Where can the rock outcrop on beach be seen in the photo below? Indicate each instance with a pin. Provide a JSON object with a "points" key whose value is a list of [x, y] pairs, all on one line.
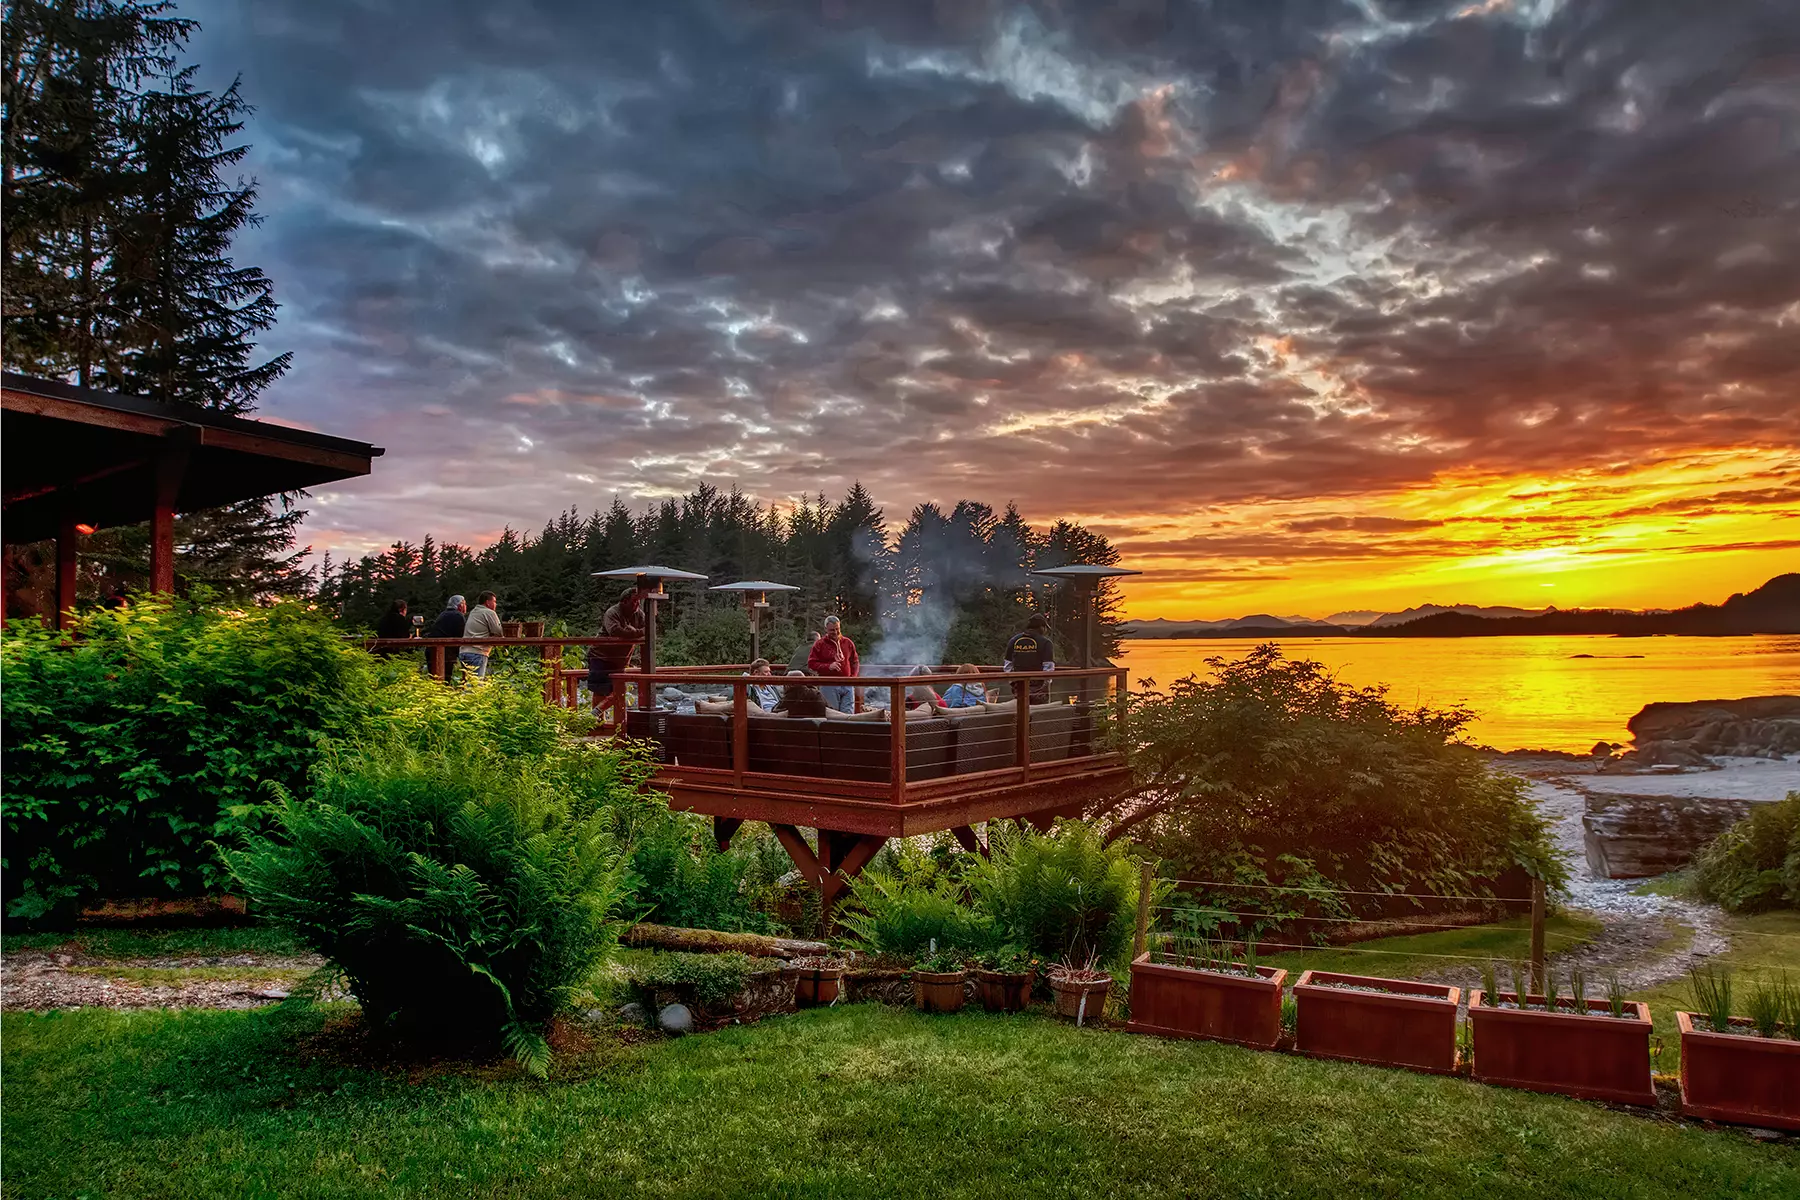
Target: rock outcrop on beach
{"points": [[1691, 733], [1633, 837]]}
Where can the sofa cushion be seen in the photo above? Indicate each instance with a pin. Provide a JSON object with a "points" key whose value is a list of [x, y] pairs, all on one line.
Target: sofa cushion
{"points": [[785, 745], [985, 742], [698, 740]]}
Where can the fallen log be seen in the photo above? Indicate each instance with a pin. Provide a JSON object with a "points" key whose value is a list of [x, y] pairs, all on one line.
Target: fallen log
{"points": [[714, 941]]}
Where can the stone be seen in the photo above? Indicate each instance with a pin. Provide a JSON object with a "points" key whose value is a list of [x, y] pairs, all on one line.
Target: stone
{"points": [[676, 1018], [1601, 749], [633, 1012], [1634, 837]]}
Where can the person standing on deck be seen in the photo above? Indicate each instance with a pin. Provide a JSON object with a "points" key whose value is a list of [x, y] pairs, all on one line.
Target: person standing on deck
{"points": [[1030, 650], [834, 656], [803, 651], [394, 623], [623, 620], [484, 622], [449, 624]]}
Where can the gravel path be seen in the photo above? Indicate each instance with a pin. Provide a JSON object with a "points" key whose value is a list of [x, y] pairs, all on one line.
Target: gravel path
{"points": [[46, 979]]}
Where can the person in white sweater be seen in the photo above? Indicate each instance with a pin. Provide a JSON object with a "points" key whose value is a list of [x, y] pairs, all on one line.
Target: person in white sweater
{"points": [[484, 622]]}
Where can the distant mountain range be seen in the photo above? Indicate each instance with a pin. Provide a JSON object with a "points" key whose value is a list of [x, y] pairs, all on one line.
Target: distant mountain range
{"points": [[1772, 608]]}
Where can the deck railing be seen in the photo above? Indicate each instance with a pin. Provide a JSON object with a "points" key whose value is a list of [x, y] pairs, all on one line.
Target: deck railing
{"points": [[560, 683], [901, 761]]}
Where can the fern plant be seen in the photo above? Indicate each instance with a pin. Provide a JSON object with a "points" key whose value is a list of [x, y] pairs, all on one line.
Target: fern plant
{"points": [[907, 914], [1064, 894], [464, 896]]}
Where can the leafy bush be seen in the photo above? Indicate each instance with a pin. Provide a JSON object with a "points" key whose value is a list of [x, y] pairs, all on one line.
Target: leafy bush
{"points": [[149, 733], [905, 913], [711, 979], [462, 895], [1754, 865], [1066, 895], [1271, 772], [680, 878]]}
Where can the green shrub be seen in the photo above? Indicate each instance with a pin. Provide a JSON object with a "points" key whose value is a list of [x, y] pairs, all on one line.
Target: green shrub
{"points": [[150, 732], [1270, 772], [710, 979], [1754, 865], [1065, 895], [462, 895], [906, 913], [680, 878]]}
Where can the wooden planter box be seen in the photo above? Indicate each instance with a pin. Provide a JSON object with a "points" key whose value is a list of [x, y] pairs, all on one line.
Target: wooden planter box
{"points": [[817, 985], [1173, 1001], [1004, 992], [1747, 1080], [1593, 1056], [939, 992], [1403, 1024], [512, 629], [1080, 1002]]}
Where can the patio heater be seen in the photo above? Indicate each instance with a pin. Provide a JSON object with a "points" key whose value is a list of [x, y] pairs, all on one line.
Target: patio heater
{"points": [[756, 602], [1085, 579], [650, 577]]}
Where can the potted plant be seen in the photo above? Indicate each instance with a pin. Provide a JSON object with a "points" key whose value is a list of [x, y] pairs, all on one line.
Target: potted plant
{"points": [[938, 982], [1741, 1069], [1080, 989], [1594, 1049], [817, 980], [1193, 987], [1003, 978], [1388, 1022]]}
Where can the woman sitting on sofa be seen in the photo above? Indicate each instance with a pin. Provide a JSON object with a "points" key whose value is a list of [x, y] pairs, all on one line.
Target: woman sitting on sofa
{"points": [[965, 695]]}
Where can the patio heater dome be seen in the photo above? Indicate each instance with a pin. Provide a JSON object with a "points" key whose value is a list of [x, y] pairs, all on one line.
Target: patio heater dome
{"points": [[756, 598]]}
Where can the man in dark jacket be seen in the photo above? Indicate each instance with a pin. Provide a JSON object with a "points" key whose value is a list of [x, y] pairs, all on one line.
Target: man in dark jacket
{"points": [[394, 623], [1030, 650], [449, 624], [623, 620]]}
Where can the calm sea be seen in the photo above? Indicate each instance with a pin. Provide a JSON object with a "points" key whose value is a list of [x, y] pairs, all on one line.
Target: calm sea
{"points": [[1557, 693]]}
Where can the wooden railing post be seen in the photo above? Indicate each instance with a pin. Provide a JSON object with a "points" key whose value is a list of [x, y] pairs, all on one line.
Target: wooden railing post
{"points": [[1537, 939], [740, 730], [1143, 923], [437, 663], [897, 738], [1022, 729], [552, 653]]}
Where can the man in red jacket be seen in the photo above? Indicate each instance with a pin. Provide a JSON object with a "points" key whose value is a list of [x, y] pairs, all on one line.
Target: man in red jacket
{"points": [[834, 655]]}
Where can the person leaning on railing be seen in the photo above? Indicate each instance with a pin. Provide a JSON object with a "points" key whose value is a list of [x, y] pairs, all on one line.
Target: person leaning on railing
{"points": [[484, 622], [624, 620]]}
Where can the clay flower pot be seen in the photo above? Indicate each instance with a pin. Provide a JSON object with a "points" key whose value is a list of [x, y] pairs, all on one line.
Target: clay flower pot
{"points": [[1081, 1000], [939, 991], [1387, 1022], [814, 986], [1592, 1055], [532, 628], [1739, 1077], [1175, 1001], [512, 628], [1005, 991]]}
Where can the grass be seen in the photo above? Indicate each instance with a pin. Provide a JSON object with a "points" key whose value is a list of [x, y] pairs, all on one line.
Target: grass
{"points": [[1407, 957], [859, 1100], [176, 976], [158, 943], [1760, 944]]}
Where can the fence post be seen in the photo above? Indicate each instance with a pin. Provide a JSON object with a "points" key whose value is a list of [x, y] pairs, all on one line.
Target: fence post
{"points": [[1143, 925], [1537, 938]]}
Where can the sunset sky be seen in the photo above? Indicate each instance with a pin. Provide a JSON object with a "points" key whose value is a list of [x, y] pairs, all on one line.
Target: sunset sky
{"points": [[1318, 305]]}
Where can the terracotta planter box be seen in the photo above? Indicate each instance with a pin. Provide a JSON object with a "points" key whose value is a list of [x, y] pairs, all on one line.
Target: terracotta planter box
{"points": [[1172, 1001], [1005, 992], [814, 986], [1080, 1002], [512, 628], [1403, 1024], [532, 628], [1745, 1079], [939, 992], [1593, 1056]]}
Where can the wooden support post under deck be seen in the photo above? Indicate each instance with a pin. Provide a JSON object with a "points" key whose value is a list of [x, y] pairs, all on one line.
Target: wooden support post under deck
{"points": [[965, 836], [724, 829], [68, 540], [436, 655], [171, 465], [740, 731]]}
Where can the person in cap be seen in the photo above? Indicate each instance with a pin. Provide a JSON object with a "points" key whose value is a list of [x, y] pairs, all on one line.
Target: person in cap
{"points": [[449, 624], [623, 620], [1030, 650]]}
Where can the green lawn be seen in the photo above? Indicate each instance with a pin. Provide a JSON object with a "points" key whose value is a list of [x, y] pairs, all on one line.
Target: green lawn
{"points": [[159, 943], [1408, 957], [855, 1101]]}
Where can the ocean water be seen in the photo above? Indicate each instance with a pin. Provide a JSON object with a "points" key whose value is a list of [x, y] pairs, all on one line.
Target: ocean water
{"points": [[1555, 693]]}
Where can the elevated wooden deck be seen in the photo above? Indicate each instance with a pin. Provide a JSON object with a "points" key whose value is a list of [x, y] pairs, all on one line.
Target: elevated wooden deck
{"points": [[859, 782]]}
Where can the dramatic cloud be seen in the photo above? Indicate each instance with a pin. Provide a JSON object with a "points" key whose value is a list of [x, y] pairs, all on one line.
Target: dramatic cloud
{"points": [[1250, 284]]}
